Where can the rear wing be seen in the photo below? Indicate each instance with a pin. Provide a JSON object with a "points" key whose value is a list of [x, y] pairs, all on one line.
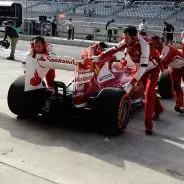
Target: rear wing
{"points": [[56, 62], [38, 67]]}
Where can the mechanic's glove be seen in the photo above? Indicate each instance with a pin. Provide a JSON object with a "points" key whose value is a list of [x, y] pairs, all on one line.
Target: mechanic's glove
{"points": [[95, 58], [128, 87]]}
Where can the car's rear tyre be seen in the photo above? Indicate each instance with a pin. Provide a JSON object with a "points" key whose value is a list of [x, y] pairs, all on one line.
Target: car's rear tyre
{"points": [[24, 103], [113, 110], [165, 85]]}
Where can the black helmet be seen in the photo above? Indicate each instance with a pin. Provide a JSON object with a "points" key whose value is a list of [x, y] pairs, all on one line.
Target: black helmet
{"points": [[130, 30]]}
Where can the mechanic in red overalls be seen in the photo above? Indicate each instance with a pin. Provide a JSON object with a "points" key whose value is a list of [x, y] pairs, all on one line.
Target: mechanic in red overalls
{"points": [[39, 46], [173, 58], [93, 50], [148, 71], [96, 50]]}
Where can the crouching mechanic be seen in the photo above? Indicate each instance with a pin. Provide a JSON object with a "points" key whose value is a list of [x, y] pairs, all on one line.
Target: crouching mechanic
{"points": [[173, 58], [93, 50], [147, 71], [39, 46], [96, 50]]}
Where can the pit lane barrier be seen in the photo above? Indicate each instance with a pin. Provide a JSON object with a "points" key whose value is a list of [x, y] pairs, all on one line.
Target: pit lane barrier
{"points": [[95, 30], [80, 42], [86, 43]]}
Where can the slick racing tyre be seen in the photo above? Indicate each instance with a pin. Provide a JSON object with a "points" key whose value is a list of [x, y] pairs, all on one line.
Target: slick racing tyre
{"points": [[165, 85], [113, 110], [25, 103]]}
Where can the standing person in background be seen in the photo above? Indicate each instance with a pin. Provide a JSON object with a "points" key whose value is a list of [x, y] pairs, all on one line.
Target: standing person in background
{"points": [[109, 30], [70, 29], [54, 25], [85, 12], [74, 10], [143, 27], [182, 41], [168, 33], [11, 32]]}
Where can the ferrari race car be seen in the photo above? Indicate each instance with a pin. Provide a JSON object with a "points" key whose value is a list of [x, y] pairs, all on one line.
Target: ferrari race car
{"points": [[96, 90]]}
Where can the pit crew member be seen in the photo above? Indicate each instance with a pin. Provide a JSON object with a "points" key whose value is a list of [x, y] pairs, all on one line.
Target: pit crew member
{"points": [[147, 71], [93, 50], [39, 46], [173, 58]]}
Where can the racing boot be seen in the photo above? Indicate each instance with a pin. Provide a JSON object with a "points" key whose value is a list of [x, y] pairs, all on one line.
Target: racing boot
{"points": [[156, 116], [179, 109], [148, 131]]}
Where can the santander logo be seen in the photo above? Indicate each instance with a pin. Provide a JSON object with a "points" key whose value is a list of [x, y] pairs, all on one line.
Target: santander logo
{"points": [[61, 60]]}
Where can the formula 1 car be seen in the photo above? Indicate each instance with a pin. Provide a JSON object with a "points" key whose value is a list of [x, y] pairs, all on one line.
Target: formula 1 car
{"points": [[96, 89]]}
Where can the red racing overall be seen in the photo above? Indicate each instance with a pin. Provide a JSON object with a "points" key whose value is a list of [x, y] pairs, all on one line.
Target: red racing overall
{"points": [[173, 58], [50, 76], [90, 51]]}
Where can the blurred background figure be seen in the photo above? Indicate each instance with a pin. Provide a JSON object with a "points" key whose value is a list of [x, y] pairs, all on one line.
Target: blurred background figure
{"points": [[12, 33], [54, 25], [143, 27], [109, 29], [70, 29], [168, 33]]}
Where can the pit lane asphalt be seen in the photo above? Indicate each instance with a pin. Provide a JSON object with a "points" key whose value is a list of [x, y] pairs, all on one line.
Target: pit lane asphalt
{"points": [[33, 151]]}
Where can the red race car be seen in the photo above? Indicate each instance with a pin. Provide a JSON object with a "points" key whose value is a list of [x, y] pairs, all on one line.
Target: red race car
{"points": [[96, 89]]}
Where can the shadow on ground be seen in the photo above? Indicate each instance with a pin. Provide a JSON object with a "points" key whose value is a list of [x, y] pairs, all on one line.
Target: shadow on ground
{"points": [[132, 146]]}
